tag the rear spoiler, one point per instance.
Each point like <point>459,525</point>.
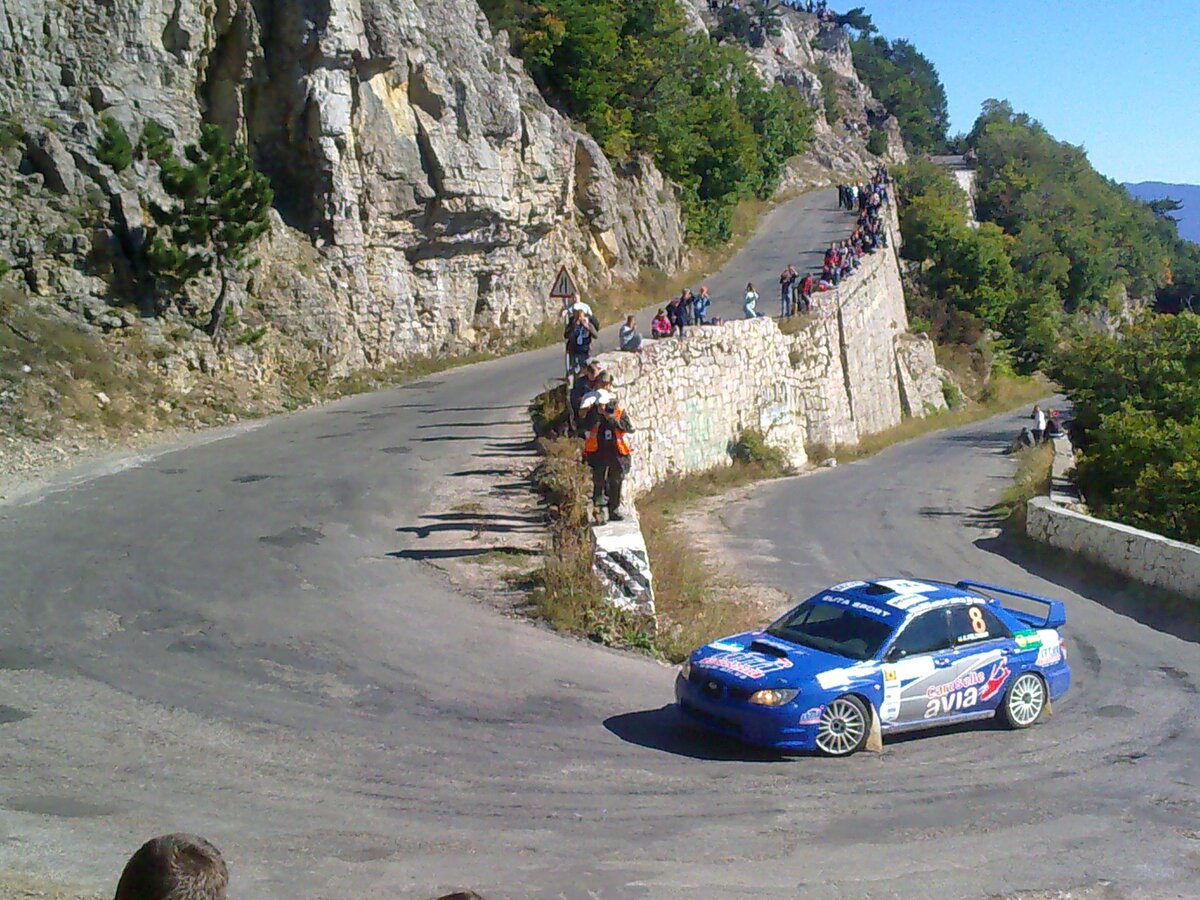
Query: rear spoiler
<point>1056,611</point>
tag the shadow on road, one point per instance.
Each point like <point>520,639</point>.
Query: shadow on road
<point>471,424</point>
<point>474,523</point>
<point>663,729</point>
<point>437,411</point>
<point>977,516</point>
<point>458,553</point>
<point>1160,610</point>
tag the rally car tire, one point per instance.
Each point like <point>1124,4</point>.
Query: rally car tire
<point>844,727</point>
<point>1024,701</point>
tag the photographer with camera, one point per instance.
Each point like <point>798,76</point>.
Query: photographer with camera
<point>607,451</point>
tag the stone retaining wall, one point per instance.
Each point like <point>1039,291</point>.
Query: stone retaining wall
<point>849,371</point>
<point>1061,521</point>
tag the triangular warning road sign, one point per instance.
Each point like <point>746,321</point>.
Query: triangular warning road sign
<point>563,287</point>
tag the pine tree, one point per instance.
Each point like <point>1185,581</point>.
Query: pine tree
<point>217,208</point>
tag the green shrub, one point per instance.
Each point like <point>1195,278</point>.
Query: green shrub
<point>751,448</point>
<point>877,143</point>
<point>951,394</point>
<point>114,148</point>
<point>217,205</point>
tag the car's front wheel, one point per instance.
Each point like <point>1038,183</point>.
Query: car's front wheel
<point>1025,701</point>
<point>843,727</point>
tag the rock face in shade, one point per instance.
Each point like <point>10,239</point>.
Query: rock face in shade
<point>426,193</point>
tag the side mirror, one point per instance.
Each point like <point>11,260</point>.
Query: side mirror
<point>894,655</point>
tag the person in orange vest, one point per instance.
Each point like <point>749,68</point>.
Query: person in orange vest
<point>607,451</point>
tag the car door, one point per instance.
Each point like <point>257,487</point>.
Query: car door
<point>914,667</point>
<point>979,660</point>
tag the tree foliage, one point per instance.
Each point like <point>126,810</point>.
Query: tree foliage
<point>750,23</point>
<point>908,86</point>
<point>641,82</point>
<point>966,279</point>
<point>216,207</point>
<point>1136,397</point>
<point>1075,230</point>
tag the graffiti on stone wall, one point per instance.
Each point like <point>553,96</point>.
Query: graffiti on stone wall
<point>702,447</point>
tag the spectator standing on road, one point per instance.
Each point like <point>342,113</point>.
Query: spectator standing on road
<point>676,317</point>
<point>750,303</point>
<point>579,334</point>
<point>806,290</point>
<point>701,305</point>
<point>1039,422</point>
<point>689,307</point>
<point>787,291</point>
<point>585,382</point>
<point>628,337</point>
<point>607,452</point>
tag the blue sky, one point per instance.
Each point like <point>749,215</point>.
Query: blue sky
<point>1120,78</point>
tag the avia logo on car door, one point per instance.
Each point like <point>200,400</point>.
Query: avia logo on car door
<point>958,683</point>
<point>965,692</point>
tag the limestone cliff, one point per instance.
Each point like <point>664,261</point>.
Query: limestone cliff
<point>425,191</point>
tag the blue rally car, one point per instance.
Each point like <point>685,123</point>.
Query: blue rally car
<point>866,659</point>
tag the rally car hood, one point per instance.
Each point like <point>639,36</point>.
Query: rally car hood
<point>758,659</point>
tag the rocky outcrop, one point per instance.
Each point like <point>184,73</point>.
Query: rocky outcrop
<point>425,191</point>
<point>918,375</point>
<point>806,51</point>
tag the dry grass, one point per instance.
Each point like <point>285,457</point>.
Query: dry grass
<point>569,597</point>
<point>694,599</point>
<point>1032,479</point>
<point>1001,394</point>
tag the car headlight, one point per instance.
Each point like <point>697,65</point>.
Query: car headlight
<point>685,670</point>
<point>776,697</point>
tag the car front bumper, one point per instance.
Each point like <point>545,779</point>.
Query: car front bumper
<point>764,726</point>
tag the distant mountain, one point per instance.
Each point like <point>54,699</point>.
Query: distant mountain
<point>1188,194</point>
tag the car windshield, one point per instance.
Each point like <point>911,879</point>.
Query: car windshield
<point>834,629</point>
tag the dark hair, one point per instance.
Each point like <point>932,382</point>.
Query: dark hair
<point>174,867</point>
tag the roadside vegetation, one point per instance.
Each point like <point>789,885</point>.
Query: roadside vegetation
<point>641,81</point>
<point>695,601</point>
<point>1136,397</point>
<point>1069,275</point>
<point>1032,479</point>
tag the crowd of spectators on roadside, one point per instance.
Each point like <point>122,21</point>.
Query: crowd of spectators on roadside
<point>797,290</point>
<point>596,414</point>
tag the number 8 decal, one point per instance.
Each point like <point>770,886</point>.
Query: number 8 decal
<point>977,620</point>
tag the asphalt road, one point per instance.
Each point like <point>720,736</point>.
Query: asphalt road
<point>237,637</point>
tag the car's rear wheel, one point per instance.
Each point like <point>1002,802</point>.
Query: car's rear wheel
<point>843,726</point>
<point>1025,701</point>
